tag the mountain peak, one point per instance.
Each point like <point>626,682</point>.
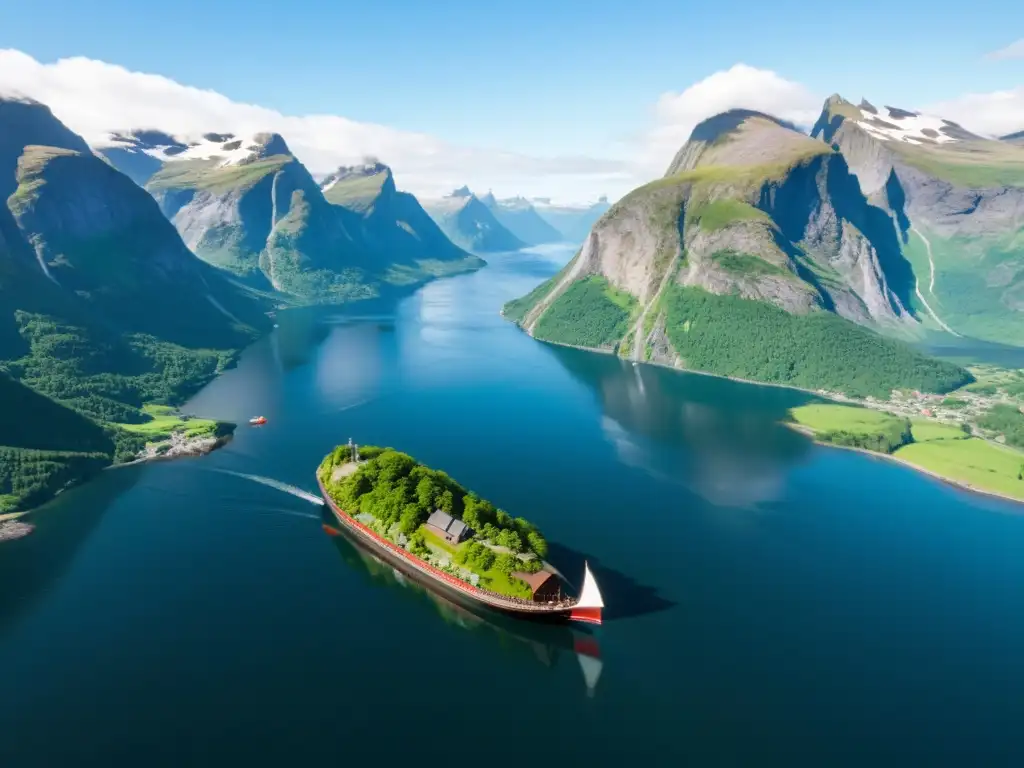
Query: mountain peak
<point>26,122</point>
<point>17,97</point>
<point>752,136</point>
<point>363,170</point>
<point>725,123</point>
<point>462,191</point>
<point>268,144</point>
<point>359,186</point>
<point>489,200</point>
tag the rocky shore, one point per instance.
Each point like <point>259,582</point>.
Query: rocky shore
<point>12,529</point>
<point>178,446</point>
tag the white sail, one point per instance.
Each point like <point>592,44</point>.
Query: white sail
<point>590,595</point>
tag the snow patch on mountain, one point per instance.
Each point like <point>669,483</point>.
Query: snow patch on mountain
<point>226,148</point>
<point>892,124</point>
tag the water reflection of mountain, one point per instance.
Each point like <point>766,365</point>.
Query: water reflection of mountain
<point>30,566</point>
<point>545,643</point>
<point>719,438</point>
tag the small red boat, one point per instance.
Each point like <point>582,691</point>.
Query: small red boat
<point>258,420</point>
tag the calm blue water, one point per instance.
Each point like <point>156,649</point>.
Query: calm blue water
<point>770,602</point>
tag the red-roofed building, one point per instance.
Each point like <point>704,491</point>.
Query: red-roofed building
<point>544,584</point>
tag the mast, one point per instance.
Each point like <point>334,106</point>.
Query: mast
<point>588,606</point>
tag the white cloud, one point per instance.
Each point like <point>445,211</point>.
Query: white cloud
<point>1014,50</point>
<point>740,86</point>
<point>996,113</point>
<point>93,97</point>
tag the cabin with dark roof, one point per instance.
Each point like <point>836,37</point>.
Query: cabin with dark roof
<point>448,528</point>
<point>545,585</point>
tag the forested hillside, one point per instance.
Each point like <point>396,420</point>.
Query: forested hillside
<point>102,309</point>
<point>43,445</point>
<point>746,339</point>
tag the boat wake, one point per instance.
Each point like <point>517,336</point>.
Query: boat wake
<point>292,489</point>
<point>290,512</point>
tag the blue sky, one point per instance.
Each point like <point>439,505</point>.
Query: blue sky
<point>540,78</point>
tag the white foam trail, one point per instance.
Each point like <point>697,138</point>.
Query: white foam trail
<point>291,512</point>
<point>354,405</point>
<point>293,490</point>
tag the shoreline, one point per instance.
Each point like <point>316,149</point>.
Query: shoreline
<point>960,484</point>
<point>611,353</point>
<point>12,529</point>
<point>964,486</point>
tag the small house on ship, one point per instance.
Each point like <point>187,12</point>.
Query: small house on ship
<point>448,528</point>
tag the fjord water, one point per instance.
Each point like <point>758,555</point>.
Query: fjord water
<point>769,602</point>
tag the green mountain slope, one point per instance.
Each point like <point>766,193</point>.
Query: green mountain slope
<point>394,223</point>
<point>520,218</point>
<point>102,308</point>
<point>957,204</point>
<point>470,224</point>
<point>757,243</point>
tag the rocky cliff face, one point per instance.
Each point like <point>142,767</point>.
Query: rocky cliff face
<point>749,207</point>
<point>956,202</point>
<point>242,208</point>
<point>470,224</point>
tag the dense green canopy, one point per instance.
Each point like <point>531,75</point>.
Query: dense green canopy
<point>395,488</point>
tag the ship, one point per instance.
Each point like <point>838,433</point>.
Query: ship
<point>586,608</point>
<point>258,420</point>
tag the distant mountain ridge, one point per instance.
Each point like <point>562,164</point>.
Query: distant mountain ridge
<point>471,224</point>
<point>248,206</point>
<point>394,222</point>
<point>520,218</point>
<point>573,222</point>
